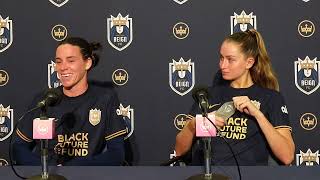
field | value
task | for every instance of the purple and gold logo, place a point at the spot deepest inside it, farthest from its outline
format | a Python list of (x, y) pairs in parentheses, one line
[(6, 33), (4, 77), (181, 76), (53, 79), (308, 121), (307, 74), (6, 122), (119, 31), (127, 114), (243, 22)]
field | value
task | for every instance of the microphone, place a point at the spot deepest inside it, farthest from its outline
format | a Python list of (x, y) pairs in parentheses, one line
[(52, 97), (226, 110), (200, 95)]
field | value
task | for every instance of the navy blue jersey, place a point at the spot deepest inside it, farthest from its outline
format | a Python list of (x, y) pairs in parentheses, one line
[(86, 127), (242, 131)]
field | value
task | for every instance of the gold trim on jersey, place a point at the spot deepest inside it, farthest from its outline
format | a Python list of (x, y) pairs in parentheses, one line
[(22, 136), (283, 127), (116, 134)]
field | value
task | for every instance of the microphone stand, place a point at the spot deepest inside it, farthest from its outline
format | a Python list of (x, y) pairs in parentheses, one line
[(208, 175), (44, 144)]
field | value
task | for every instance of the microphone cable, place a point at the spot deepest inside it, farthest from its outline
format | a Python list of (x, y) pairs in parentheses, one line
[(234, 156), (10, 143)]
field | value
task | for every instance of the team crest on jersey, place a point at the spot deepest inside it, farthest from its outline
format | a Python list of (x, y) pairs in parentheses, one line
[(4, 77), (58, 3), (94, 116), (308, 121), (6, 33), (308, 158), (181, 76), (53, 79), (180, 1), (128, 116), (243, 22), (307, 75), (6, 122), (119, 31), (3, 162)]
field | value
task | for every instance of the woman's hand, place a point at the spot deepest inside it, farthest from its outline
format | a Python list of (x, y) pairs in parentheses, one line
[(244, 104)]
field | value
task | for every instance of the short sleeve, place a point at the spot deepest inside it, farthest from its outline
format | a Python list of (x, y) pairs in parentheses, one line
[(277, 112), (115, 123)]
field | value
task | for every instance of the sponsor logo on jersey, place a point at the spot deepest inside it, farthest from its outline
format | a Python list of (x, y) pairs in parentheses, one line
[(307, 75), (308, 158), (243, 22), (59, 32), (180, 1), (128, 116), (53, 79), (119, 31), (6, 122), (94, 116), (120, 77), (180, 121), (181, 76), (6, 33), (308, 121), (180, 30), (4, 77), (306, 28), (3, 162), (58, 3)]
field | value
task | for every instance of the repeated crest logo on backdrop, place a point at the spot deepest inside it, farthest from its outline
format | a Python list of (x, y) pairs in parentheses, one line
[(120, 77), (58, 3), (180, 121), (308, 121), (243, 22), (180, 1), (306, 28), (308, 158), (307, 74), (127, 114), (181, 76), (119, 31), (53, 79), (59, 32), (6, 122), (6, 33), (3, 162), (4, 77), (181, 30)]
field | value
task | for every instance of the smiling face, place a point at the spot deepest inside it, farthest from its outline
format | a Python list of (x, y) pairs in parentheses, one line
[(72, 68), (234, 64)]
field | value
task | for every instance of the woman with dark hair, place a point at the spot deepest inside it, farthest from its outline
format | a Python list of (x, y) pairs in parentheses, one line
[(260, 126), (88, 129)]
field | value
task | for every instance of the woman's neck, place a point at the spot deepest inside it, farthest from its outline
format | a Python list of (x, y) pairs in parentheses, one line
[(243, 82), (76, 90)]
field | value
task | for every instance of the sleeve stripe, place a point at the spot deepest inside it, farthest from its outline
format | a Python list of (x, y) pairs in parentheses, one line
[(283, 127), (22, 136), (116, 134), (190, 116)]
